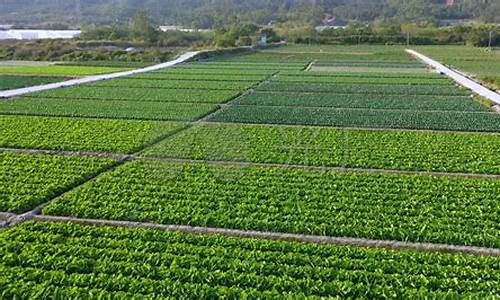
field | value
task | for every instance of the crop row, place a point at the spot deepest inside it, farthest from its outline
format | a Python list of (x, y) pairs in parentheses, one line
[(368, 80), (140, 110), (344, 52), (307, 56), (177, 84), (53, 260), (14, 82), (364, 89), (242, 68), (285, 57), (249, 63), (369, 63), (415, 208), (108, 63), (202, 77), (57, 70), (363, 75), (376, 70), (363, 118), (103, 135), (29, 180), (415, 102), (220, 72), (317, 146), (140, 94)]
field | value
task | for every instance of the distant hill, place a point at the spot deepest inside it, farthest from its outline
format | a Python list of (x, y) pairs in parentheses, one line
[(200, 13)]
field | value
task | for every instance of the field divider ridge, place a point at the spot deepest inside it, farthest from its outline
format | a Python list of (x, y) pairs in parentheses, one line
[(457, 77), (340, 169), (323, 168), (316, 239), (4, 218), (67, 153)]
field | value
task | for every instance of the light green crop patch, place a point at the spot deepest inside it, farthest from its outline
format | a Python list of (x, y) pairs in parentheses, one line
[(98, 135), (29, 180)]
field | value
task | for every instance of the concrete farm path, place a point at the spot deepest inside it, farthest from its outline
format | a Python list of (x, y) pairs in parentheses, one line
[(89, 79)]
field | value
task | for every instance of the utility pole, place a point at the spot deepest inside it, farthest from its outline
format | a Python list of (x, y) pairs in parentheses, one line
[(490, 39)]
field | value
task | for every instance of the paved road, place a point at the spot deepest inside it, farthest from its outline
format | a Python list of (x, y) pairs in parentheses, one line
[(89, 79), (459, 78)]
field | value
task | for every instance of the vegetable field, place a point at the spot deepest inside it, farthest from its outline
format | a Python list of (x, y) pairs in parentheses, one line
[(316, 146), (73, 261), (58, 70), (29, 180), (80, 134), (287, 172), (293, 201), (14, 82)]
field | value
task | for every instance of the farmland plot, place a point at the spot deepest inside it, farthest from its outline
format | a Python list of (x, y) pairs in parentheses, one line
[(106, 109), (204, 77), (371, 63), (376, 206), (217, 72), (74, 261), (58, 70), (316, 146), (139, 94), (119, 136), (383, 74), (366, 79), (29, 180), (362, 118), (380, 89), (292, 173), (14, 82), (370, 101), (176, 84)]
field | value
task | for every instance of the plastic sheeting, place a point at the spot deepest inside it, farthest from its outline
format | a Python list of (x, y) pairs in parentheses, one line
[(29, 34)]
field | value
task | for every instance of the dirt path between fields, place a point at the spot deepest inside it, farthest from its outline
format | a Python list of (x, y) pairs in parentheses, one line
[(327, 240)]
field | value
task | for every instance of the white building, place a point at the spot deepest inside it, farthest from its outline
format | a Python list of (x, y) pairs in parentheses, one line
[(180, 28)]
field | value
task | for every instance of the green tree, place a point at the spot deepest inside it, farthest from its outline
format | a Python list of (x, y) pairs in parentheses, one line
[(142, 29)]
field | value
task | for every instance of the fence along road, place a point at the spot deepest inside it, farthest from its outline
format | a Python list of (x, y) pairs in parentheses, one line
[(459, 78), (89, 79)]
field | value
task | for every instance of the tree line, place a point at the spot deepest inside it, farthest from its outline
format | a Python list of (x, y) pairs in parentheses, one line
[(200, 13)]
